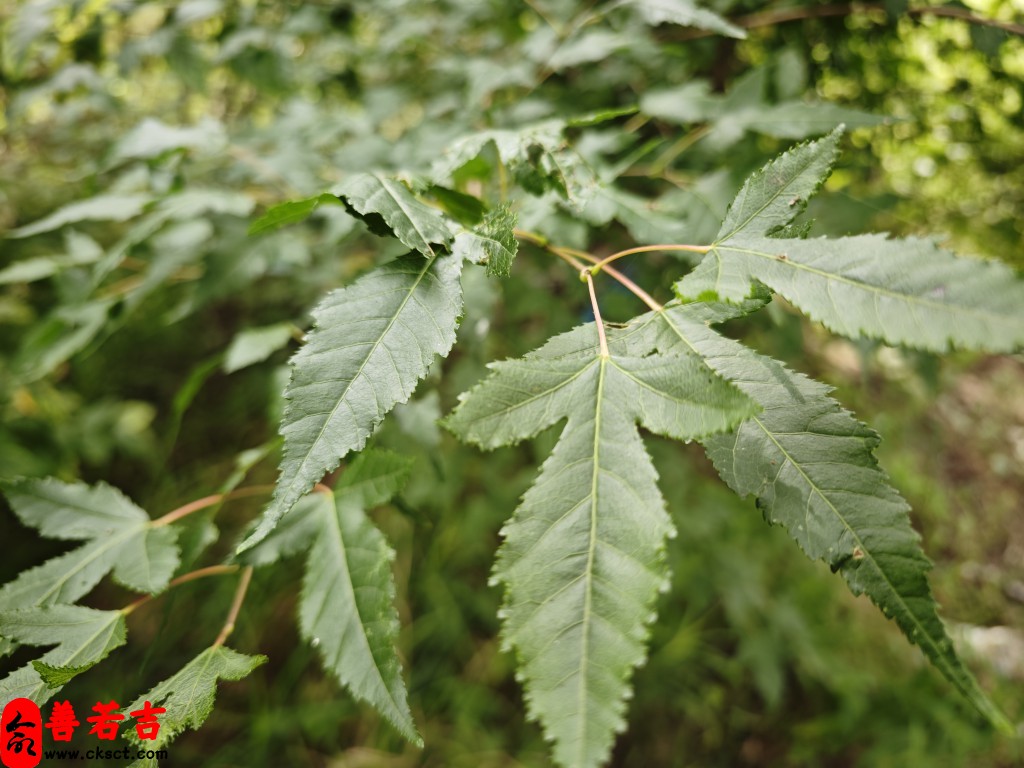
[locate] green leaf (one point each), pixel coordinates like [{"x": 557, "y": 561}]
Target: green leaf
[
  {"x": 254, "y": 345},
  {"x": 347, "y": 610},
  {"x": 906, "y": 291},
  {"x": 774, "y": 195},
  {"x": 111, "y": 207},
  {"x": 685, "y": 13},
  {"x": 83, "y": 636},
  {"x": 291, "y": 212},
  {"x": 390, "y": 209},
  {"x": 811, "y": 465},
  {"x": 583, "y": 557},
  {"x": 58, "y": 677},
  {"x": 188, "y": 695},
  {"x": 538, "y": 156},
  {"x": 119, "y": 536},
  {"x": 371, "y": 344},
  {"x": 63, "y": 333},
  {"x": 493, "y": 242}
]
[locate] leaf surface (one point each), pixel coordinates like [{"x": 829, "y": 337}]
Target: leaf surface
[
  {"x": 811, "y": 466},
  {"x": 83, "y": 636},
  {"x": 118, "y": 537},
  {"x": 389, "y": 208},
  {"x": 189, "y": 694},
  {"x": 372, "y": 342},
  {"x": 907, "y": 291},
  {"x": 492, "y": 242},
  {"x": 583, "y": 556},
  {"x": 347, "y": 605}
]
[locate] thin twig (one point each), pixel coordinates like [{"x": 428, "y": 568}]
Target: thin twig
[
  {"x": 647, "y": 249},
  {"x": 208, "y": 501},
  {"x": 212, "y": 570},
  {"x": 236, "y": 606},
  {"x": 602, "y": 339}
]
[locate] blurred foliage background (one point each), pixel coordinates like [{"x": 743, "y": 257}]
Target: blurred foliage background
[{"x": 143, "y": 337}]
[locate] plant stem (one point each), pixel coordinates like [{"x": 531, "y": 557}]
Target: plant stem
[
  {"x": 647, "y": 249},
  {"x": 208, "y": 501},
  {"x": 571, "y": 256},
  {"x": 236, "y": 606},
  {"x": 213, "y": 570},
  {"x": 602, "y": 339}
]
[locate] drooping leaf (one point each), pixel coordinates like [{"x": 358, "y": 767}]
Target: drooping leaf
[
  {"x": 372, "y": 343},
  {"x": 120, "y": 536},
  {"x": 583, "y": 556},
  {"x": 811, "y": 466},
  {"x": 390, "y": 209},
  {"x": 685, "y": 13},
  {"x": 347, "y": 611},
  {"x": 83, "y": 636},
  {"x": 493, "y": 242},
  {"x": 290, "y": 212},
  {"x": 188, "y": 695}
]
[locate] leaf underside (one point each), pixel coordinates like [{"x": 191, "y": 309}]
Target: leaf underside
[{"x": 583, "y": 556}]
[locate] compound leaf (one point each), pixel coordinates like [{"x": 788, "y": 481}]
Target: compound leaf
[
  {"x": 83, "y": 636},
  {"x": 811, "y": 465},
  {"x": 372, "y": 342},
  {"x": 583, "y": 556},
  {"x": 119, "y": 536},
  {"x": 189, "y": 694},
  {"x": 390, "y": 209}
]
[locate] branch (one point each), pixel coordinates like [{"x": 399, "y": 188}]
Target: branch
[
  {"x": 783, "y": 15},
  {"x": 236, "y": 606}
]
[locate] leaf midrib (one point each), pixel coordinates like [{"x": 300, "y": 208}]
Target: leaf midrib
[
  {"x": 359, "y": 372},
  {"x": 867, "y": 287}
]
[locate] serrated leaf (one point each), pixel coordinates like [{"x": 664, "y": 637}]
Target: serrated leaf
[
  {"x": 188, "y": 695},
  {"x": 390, "y": 209},
  {"x": 290, "y": 212},
  {"x": 685, "y": 13},
  {"x": 774, "y": 195},
  {"x": 83, "y": 636},
  {"x": 493, "y": 242},
  {"x": 347, "y": 610},
  {"x": 373, "y": 478},
  {"x": 906, "y": 291},
  {"x": 58, "y": 677},
  {"x": 811, "y": 465},
  {"x": 119, "y": 536},
  {"x": 583, "y": 556},
  {"x": 371, "y": 344}
]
